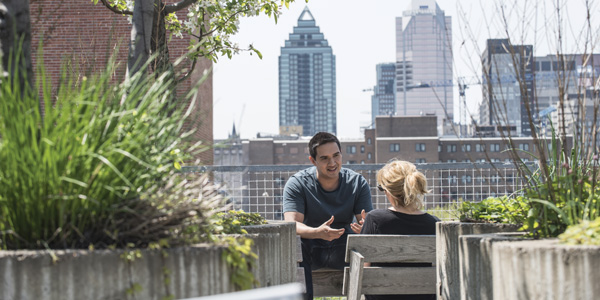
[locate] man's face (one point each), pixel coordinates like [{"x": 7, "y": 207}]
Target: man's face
[{"x": 328, "y": 161}]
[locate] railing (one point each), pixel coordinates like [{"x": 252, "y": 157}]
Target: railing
[{"x": 260, "y": 188}]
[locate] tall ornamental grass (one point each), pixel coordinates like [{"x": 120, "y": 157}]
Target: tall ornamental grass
[{"x": 98, "y": 167}]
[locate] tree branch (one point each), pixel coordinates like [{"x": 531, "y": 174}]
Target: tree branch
[
  {"x": 171, "y": 8},
  {"x": 115, "y": 10},
  {"x": 187, "y": 75}
]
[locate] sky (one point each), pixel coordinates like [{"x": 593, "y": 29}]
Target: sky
[{"x": 362, "y": 34}]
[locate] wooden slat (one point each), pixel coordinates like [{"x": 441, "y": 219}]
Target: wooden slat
[
  {"x": 398, "y": 280},
  {"x": 353, "y": 285},
  {"x": 393, "y": 248},
  {"x": 327, "y": 282}
]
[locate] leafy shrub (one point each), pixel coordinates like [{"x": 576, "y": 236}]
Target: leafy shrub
[
  {"x": 98, "y": 168},
  {"x": 495, "y": 210},
  {"x": 564, "y": 192},
  {"x": 584, "y": 233}
]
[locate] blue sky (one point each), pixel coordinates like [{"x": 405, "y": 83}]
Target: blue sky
[{"x": 362, "y": 34}]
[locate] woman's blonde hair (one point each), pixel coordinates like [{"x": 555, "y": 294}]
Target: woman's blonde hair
[{"x": 404, "y": 182}]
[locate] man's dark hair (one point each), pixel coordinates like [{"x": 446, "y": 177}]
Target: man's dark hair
[{"x": 321, "y": 138}]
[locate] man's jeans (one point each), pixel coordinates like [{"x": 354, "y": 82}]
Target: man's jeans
[{"x": 317, "y": 254}]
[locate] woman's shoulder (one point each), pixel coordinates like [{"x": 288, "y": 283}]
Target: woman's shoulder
[{"x": 379, "y": 212}]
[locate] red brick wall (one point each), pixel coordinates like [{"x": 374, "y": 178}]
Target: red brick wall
[{"x": 86, "y": 35}]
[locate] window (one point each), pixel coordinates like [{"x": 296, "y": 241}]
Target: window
[
  {"x": 480, "y": 147},
  {"x": 466, "y": 148},
  {"x": 362, "y": 162},
  {"x": 439, "y": 148},
  {"x": 351, "y": 149},
  {"x": 495, "y": 178},
  {"x": 394, "y": 147},
  {"x": 369, "y": 155},
  {"x": 495, "y": 147},
  {"x": 369, "y": 141},
  {"x": 467, "y": 160},
  {"x": 452, "y": 179},
  {"x": 420, "y": 147},
  {"x": 451, "y": 148},
  {"x": 452, "y": 160},
  {"x": 524, "y": 147},
  {"x": 351, "y": 162},
  {"x": 420, "y": 161},
  {"x": 466, "y": 179},
  {"x": 362, "y": 149}
]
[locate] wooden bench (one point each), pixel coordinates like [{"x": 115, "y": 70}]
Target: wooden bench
[
  {"x": 377, "y": 280},
  {"x": 389, "y": 280}
]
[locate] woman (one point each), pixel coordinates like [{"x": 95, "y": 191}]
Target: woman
[{"x": 404, "y": 187}]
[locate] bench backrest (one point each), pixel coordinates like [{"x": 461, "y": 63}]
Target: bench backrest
[
  {"x": 383, "y": 248},
  {"x": 389, "y": 280}
]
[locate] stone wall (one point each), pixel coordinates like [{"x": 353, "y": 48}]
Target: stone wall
[{"x": 185, "y": 272}]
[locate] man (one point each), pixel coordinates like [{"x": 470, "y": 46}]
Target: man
[{"x": 323, "y": 200}]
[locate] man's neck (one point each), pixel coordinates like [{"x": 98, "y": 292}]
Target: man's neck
[{"x": 329, "y": 184}]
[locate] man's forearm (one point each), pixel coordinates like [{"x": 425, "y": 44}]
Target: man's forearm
[{"x": 307, "y": 232}]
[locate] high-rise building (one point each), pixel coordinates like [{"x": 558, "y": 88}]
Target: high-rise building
[
  {"x": 505, "y": 101},
  {"x": 307, "y": 88},
  {"x": 424, "y": 62},
  {"x": 383, "y": 101}
]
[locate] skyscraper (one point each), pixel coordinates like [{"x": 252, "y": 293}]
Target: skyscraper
[
  {"x": 424, "y": 62},
  {"x": 383, "y": 101},
  {"x": 504, "y": 100},
  {"x": 307, "y": 88}
]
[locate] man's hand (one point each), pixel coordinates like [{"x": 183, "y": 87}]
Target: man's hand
[
  {"x": 357, "y": 227},
  {"x": 327, "y": 233}
]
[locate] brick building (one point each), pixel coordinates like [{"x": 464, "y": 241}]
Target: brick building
[{"x": 82, "y": 37}]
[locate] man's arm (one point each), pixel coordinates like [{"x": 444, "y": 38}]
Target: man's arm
[{"x": 323, "y": 232}]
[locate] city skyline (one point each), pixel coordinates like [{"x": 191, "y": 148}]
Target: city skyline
[{"x": 363, "y": 36}]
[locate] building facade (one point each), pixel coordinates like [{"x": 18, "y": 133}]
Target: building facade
[
  {"x": 307, "y": 84},
  {"x": 424, "y": 62},
  {"x": 82, "y": 37},
  {"x": 383, "y": 101},
  {"x": 505, "y": 101}
]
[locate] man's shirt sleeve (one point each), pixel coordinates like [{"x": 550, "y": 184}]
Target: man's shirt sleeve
[
  {"x": 364, "y": 197},
  {"x": 293, "y": 198}
]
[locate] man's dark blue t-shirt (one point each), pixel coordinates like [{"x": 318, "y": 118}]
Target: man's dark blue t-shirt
[{"x": 304, "y": 194}]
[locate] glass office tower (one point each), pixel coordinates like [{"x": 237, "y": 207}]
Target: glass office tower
[
  {"x": 424, "y": 62},
  {"x": 383, "y": 101},
  {"x": 503, "y": 102},
  {"x": 307, "y": 90}
]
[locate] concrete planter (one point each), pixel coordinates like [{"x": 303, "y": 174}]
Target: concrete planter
[
  {"x": 476, "y": 280},
  {"x": 543, "y": 269},
  {"x": 447, "y": 247},
  {"x": 103, "y": 274}
]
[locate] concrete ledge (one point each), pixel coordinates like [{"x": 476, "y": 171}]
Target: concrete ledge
[
  {"x": 184, "y": 272},
  {"x": 447, "y": 248},
  {"x": 476, "y": 280},
  {"x": 543, "y": 269}
]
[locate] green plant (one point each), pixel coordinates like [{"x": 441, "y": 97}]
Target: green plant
[
  {"x": 584, "y": 233},
  {"x": 99, "y": 167},
  {"x": 231, "y": 222},
  {"x": 564, "y": 192},
  {"x": 503, "y": 209}
]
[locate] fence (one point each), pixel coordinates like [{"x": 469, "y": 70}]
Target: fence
[{"x": 260, "y": 188}]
